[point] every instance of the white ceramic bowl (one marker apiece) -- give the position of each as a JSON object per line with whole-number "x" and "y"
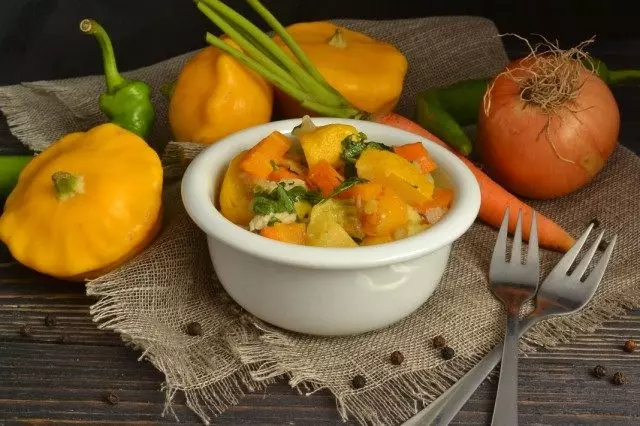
{"x": 327, "y": 291}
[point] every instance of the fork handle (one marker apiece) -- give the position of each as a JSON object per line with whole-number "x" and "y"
{"x": 505, "y": 410}
{"x": 444, "y": 408}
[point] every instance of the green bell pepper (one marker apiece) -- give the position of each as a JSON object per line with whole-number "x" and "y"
{"x": 126, "y": 103}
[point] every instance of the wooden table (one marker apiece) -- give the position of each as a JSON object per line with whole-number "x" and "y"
{"x": 47, "y": 378}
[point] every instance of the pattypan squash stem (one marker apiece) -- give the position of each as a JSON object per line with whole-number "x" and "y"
{"x": 319, "y": 91}
{"x": 290, "y": 42}
{"x": 243, "y": 42}
{"x": 337, "y": 40}
{"x": 112, "y": 76}
{"x": 67, "y": 185}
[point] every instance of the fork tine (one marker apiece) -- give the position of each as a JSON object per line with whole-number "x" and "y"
{"x": 584, "y": 263}
{"x": 500, "y": 248}
{"x": 598, "y": 271}
{"x": 565, "y": 263}
{"x": 516, "y": 249}
{"x": 532, "y": 250}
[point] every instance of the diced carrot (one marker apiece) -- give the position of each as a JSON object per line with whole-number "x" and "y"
{"x": 325, "y": 177}
{"x": 369, "y": 241}
{"x": 283, "y": 173}
{"x": 257, "y": 163}
{"x": 275, "y": 145}
{"x": 417, "y": 154}
{"x": 258, "y": 160}
{"x": 442, "y": 197}
{"x": 294, "y": 233}
{"x": 363, "y": 191}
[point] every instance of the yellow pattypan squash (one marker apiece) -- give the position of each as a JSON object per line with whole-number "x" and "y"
{"x": 369, "y": 73}
{"x": 86, "y": 204}
{"x": 215, "y": 95}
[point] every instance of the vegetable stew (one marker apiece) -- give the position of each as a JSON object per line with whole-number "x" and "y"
{"x": 330, "y": 186}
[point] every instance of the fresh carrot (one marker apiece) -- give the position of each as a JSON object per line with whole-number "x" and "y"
{"x": 294, "y": 233}
{"x": 416, "y": 153}
{"x": 325, "y": 177}
{"x": 495, "y": 199}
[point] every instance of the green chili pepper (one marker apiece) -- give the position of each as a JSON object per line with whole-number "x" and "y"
{"x": 126, "y": 103}
{"x": 445, "y": 111}
{"x": 10, "y": 168}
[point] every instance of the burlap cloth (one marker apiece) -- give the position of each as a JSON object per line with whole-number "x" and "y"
{"x": 150, "y": 300}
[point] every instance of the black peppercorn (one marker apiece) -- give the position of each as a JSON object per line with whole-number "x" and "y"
{"x": 630, "y": 345}
{"x": 396, "y": 358}
{"x": 50, "y": 320}
{"x": 358, "y": 382}
{"x": 619, "y": 379}
{"x": 194, "y": 329}
{"x": 26, "y": 330}
{"x": 439, "y": 342}
{"x": 599, "y": 371}
{"x": 596, "y": 223}
{"x": 112, "y": 398}
{"x": 603, "y": 245}
{"x": 447, "y": 352}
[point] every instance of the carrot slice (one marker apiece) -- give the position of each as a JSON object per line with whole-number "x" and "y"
{"x": 283, "y": 173}
{"x": 258, "y": 161}
{"x": 325, "y": 177}
{"x": 442, "y": 197}
{"x": 294, "y": 233}
{"x": 418, "y": 154}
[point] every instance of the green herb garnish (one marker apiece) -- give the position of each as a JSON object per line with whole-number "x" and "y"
{"x": 346, "y": 184}
{"x": 354, "y": 145}
{"x": 281, "y": 200}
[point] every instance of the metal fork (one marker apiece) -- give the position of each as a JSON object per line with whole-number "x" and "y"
{"x": 561, "y": 293}
{"x": 513, "y": 283}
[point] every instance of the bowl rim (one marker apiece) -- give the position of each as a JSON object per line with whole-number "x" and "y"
{"x": 198, "y": 201}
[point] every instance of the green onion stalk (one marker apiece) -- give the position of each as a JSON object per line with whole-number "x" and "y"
{"x": 299, "y": 79}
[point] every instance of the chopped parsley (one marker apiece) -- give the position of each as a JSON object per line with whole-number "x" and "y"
{"x": 346, "y": 184}
{"x": 281, "y": 200}
{"x": 354, "y": 145}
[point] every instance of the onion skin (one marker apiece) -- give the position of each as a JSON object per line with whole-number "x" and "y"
{"x": 519, "y": 153}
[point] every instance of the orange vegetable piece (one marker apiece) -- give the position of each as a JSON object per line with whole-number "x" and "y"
{"x": 294, "y": 233}
{"x": 371, "y": 240}
{"x": 362, "y": 191}
{"x": 325, "y": 177}
{"x": 283, "y": 173}
{"x": 417, "y": 154}
{"x": 258, "y": 160}
{"x": 383, "y": 214}
{"x": 442, "y": 197}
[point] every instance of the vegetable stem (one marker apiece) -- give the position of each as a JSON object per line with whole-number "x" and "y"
{"x": 290, "y": 42}
{"x": 314, "y": 87}
{"x": 337, "y": 40}
{"x": 214, "y": 14}
{"x": 623, "y": 76}
{"x": 290, "y": 89}
{"x": 67, "y": 185}
{"x": 112, "y": 76}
